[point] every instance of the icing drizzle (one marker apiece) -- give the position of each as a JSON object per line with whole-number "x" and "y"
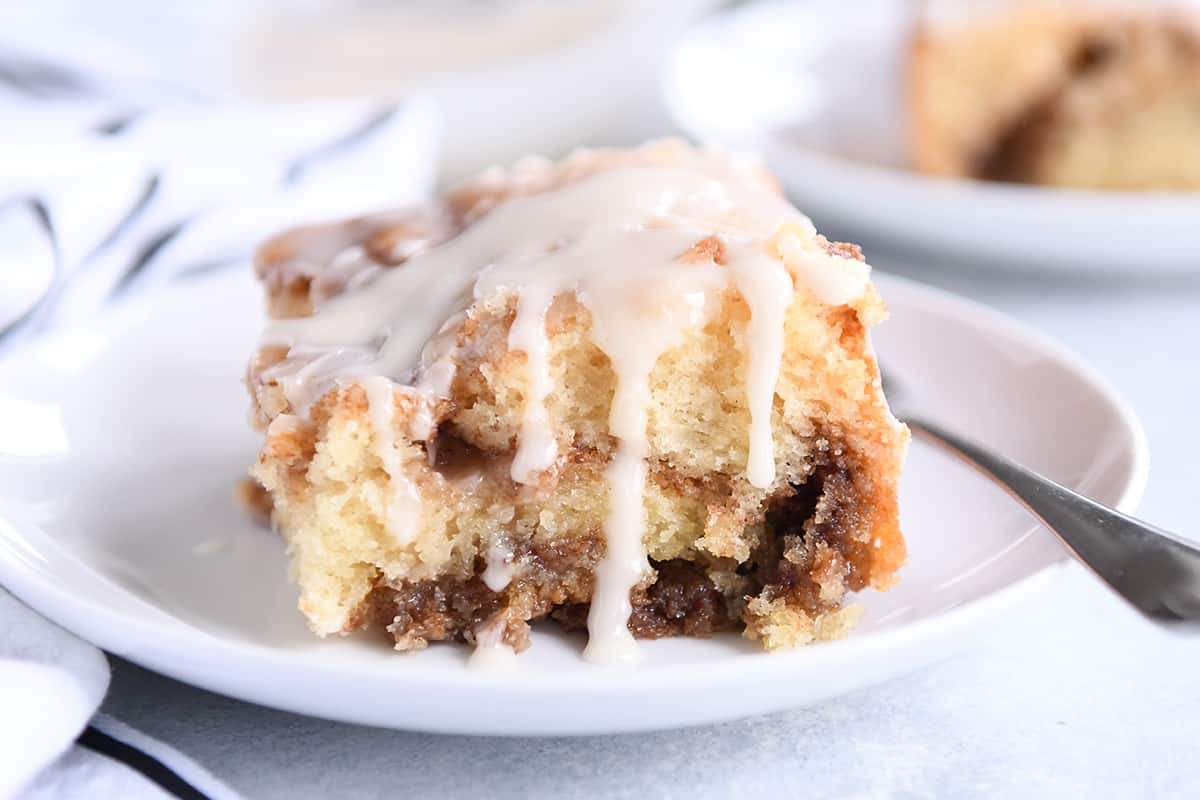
{"x": 616, "y": 240}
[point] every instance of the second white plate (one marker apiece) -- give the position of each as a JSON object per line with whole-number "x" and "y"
{"x": 818, "y": 87}
{"x": 120, "y": 444}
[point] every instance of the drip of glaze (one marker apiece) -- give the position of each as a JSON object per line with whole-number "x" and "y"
{"x": 501, "y": 567}
{"x": 624, "y": 564}
{"x": 491, "y": 651}
{"x": 832, "y": 280}
{"x": 634, "y": 324}
{"x": 536, "y": 448}
{"x": 403, "y": 499}
{"x": 768, "y": 292}
{"x": 284, "y": 425}
{"x": 615, "y": 241}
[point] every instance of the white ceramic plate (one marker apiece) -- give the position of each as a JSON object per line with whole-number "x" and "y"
{"x": 818, "y": 87}
{"x": 120, "y": 444}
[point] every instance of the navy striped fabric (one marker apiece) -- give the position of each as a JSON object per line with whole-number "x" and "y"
{"x": 112, "y": 185}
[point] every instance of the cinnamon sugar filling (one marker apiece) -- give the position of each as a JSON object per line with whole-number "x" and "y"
{"x": 809, "y": 554}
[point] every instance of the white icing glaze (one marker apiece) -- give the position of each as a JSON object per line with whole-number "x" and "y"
{"x": 306, "y": 374}
{"x": 403, "y": 500}
{"x": 491, "y": 651}
{"x": 768, "y": 292}
{"x": 536, "y": 449}
{"x": 624, "y": 564}
{"x": 501, "y": 567}
{"x": 312, "y": 250}
{"x": 615, "y": 241}
{"x": 284, "y": 425}
{"x": 347, "y": 271}
{"x": 832, "y": 279}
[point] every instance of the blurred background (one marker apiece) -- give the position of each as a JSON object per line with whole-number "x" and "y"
{"x": 509, "y": 76}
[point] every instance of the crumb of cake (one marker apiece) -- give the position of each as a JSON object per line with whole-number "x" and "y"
{"x": 780, "y": 626}
{"x": 841, "y": 249}
{"x": 631, "y": 391}
{"x": 254, "y": 500}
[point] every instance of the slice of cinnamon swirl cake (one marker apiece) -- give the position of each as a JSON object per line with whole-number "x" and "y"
{"x": 632, "y": 391}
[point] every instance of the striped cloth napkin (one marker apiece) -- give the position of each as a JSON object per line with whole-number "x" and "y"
{"x": 112, "y": 183}
{"x": 108, "y": 187}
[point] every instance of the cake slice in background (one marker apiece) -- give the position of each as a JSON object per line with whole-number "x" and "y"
{"x": 631, "y": 391}
{"x": 1092, "y": 95}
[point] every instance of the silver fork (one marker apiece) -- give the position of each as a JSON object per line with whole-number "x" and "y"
{"x": 1157, "y": 572}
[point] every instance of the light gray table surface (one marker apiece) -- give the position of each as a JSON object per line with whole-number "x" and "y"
{"x": 1074, "y": 697}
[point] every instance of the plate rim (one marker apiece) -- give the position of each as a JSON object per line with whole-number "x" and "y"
{"x": 173, "y": 649}
{"x": 1098, "y": 197}
{"x": 1059, "y": 223}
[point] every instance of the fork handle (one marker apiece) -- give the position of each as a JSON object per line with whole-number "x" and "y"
{"x": 1155, "y": 571}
